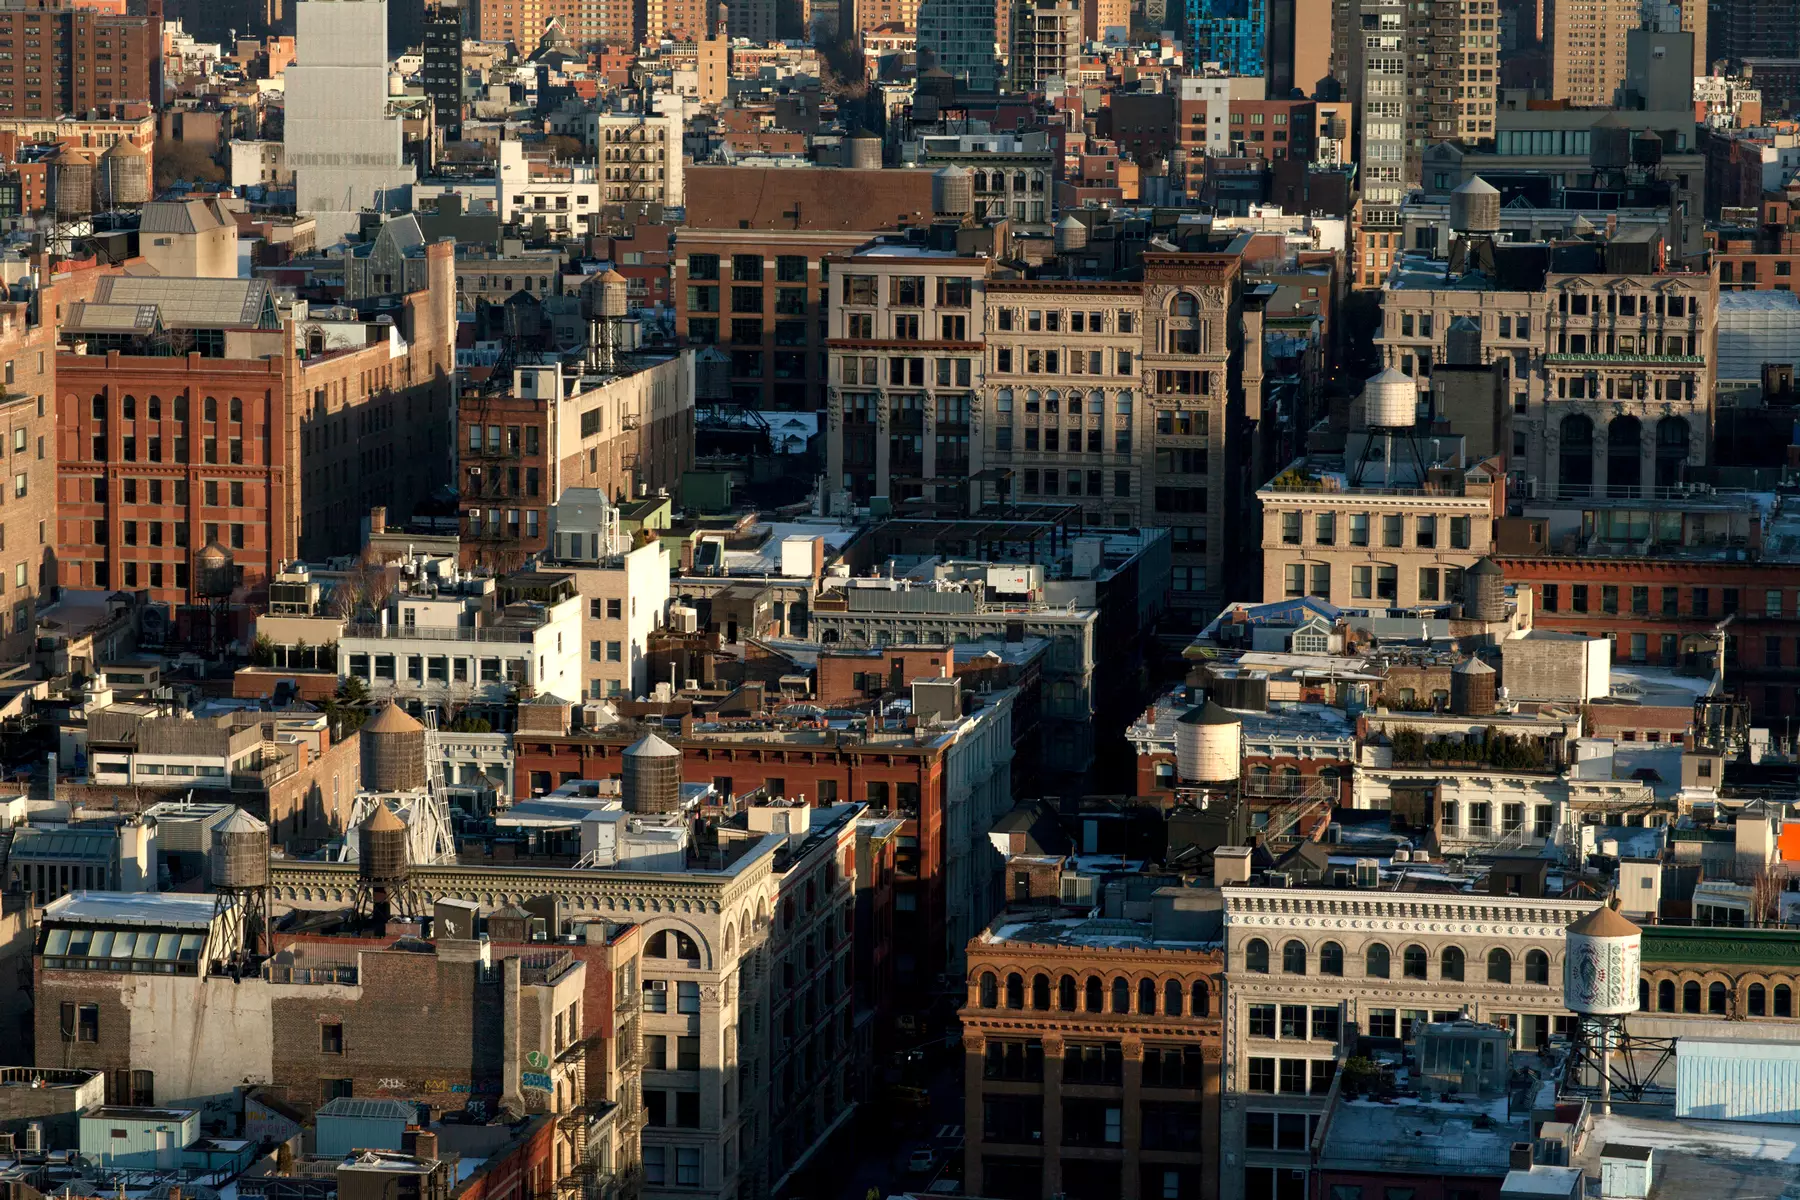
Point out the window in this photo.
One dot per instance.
(1412, 962)
(687, 997)
(1293, 958)
(1256, 956)
(1262, 1020)
(1499, 966)
(1376, 961)
(1262, 1075)
(1537, 967)
(331, 1039)
(1450, 963)
(1331, 959)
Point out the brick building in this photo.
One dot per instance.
(94, 59)
(28, 496)
(750, 273)
(1092, 1055)
(519, 448)
(945, 786)
(274, 441)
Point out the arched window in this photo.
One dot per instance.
(1293, 958)
(990, 990)
(1643, 995)
(1690, 997)
(1146, 996)
(155, 406)
(1256, 956)
(1537, 968)
(128, 408)
(730, 939)
(686, 947)
(1121, 995)
(1093, 993)
(1065, 993)
(1450, 963)
(1376, 962)
(209, 409)
(1184, 306)
(1757, 1002)
(1499, 966)
(1671, 451)
(1575, 466)
(1624, 456)
(1784, 1001)
(1200, 1000)
(1331, 959)
(1040, 993)
(1665, 996)
(1715, 999)
(237, 410)
(1015, 990)
(1172, 998)
(1412, 962)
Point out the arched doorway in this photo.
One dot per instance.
(1575, 461)
(1671, 451)
(1624, 465)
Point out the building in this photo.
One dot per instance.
(1046, 43)
(962, 39)
(622, 431)
(1091, 1052)
(1407, 101)
(189, 239)
(442, 72)
(342, 143)
(273, 442)
(28, 418)
(98, 60)
(1406, 964)
(1393, 538)
(640, 154)
(906, 351)
(580, 25)
(466, 644)
(947, 784)
(1587, 49)
(625, 588)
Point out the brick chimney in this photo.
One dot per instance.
(377, 520)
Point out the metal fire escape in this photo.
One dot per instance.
(586, 1127)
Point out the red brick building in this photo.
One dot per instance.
(69, 59)
(272, 450)
(1663, 611)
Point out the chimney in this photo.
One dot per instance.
(377, 520)
(1231, 865)
(1519, 1157)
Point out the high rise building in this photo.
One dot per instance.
(343, 144)
(1680, 16)
(1587, 48)
(1406, 99)
(1757, 29)
(443, 70)
(1299, 49)
(1231, 33)
(89, 60)
(962, 37)
(1046, 42)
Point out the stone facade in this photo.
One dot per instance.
(1310, 970)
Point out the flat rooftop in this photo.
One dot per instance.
(1405, 1136)
(160, 909)
(1727, 1160)
(1091, 932)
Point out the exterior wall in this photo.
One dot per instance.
(313, 803)
(1427, 567)
(98, 59)
(1060, 1161)
(640, 157)
(1363, 1003)
(466, 665)
(503, 451)
(1587, 49)
(208, 254)
(337, 110)
(640, 589)
(152, 461)
(889, 436)
(28, 493)
(1663, 612)
(776, 363)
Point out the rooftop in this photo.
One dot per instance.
(159, 909)
(1406, 1136)
(1700, 1158)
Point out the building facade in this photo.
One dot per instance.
(90, 60)
(1310, 971)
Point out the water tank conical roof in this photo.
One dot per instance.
(953, 192)
(393, 719)
(1071, 235)
(215, 572)
(1210, 713)
(240, 852)
(1473, 666)
(650, 777)
(384, 820)
(1390, 401)
(1475, 207)
(1208, 744)
(1605, 922)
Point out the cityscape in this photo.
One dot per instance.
(899, 600)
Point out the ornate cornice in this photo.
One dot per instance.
(1663, 945)
(336, 883)
(1400, 913)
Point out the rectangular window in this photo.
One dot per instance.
(1262, 1075)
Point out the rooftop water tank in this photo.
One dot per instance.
(1208, 744)
(1391, 401)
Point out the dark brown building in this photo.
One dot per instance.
(1091, 1061)
(56, 58)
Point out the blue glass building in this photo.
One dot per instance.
(1229, 32)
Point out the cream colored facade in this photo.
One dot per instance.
(1288, 1030)
(1375, 547)
(624, 601)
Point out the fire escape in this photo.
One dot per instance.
(588, 1127)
